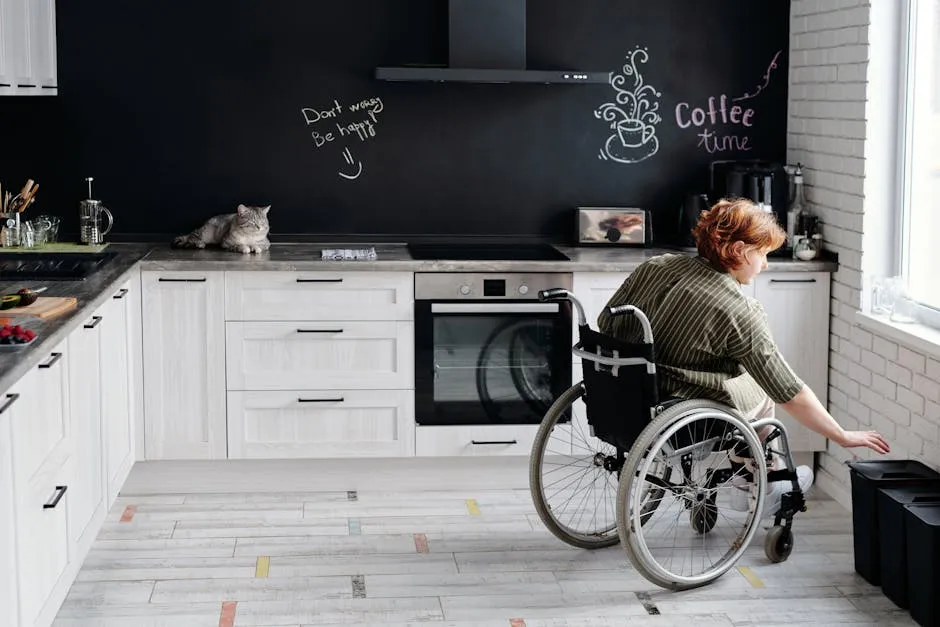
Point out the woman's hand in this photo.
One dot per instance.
(870, 439)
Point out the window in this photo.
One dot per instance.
(920, 232)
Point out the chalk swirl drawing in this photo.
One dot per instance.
(633, 115)
(760, 88)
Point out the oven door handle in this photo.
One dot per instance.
(466, 308)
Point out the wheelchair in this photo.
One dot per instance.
(680, 483)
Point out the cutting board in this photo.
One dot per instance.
(45, 307)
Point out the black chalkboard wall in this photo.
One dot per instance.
(181, 110)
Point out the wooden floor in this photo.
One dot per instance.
(409, 542)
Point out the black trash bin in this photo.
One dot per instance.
(893, 538)
(922, 524)
(867, 477)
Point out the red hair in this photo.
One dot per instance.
(731, 220)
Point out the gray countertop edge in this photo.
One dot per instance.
(395, 257)
(91, 293)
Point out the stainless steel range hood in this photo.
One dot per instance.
(487, 44)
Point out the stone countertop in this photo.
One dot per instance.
(97, 288)
(90, 293)
(395, 257)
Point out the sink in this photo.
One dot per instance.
(28, 266)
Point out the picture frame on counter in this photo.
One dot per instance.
(613, 226)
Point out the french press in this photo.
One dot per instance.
(90, 218)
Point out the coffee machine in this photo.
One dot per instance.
(764, 182)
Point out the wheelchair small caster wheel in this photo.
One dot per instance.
(778, 543)
(703, 517)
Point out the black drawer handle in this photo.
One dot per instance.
(319, 330)
(11, 398)
(319, 280)
(55, 357)
(792, 280)
(121, 294)
(321, 400)
(493, 442)
(165, 280)
(95, 320)
(60, 492)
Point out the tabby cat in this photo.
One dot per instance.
(245, 231)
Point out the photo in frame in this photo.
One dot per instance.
(613, 226)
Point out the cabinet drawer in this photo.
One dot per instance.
(319, 355)
(319, 295)
(474, 440)
(42, 422)
(322, 423)
(42, 541)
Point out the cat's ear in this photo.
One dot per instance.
(265, 210)
(242, 210)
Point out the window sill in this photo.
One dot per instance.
(918, 336)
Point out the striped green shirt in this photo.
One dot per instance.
(712, 341)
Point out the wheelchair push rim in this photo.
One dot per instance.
(692, 516)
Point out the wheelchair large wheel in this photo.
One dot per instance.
(708, 517)
(573, 476)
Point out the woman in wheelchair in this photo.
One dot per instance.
(682, 429)
(714, 342)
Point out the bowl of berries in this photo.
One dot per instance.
(15, 336)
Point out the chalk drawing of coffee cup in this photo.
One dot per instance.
(634, 133)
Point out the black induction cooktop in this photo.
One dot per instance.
(29, 266)
(486, 252)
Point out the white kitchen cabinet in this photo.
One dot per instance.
(474, 440)
(321, 423)
(119, 373)
(184, 365)
(319, 364)
(353, 295)
(43, 474)
(321, 354)
(88, 487)
(9, 604)
(28, 47)
(797, 306)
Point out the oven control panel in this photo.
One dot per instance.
(487, 285)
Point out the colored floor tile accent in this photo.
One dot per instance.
(227, 617)
(648, 604)
(472, 507)
(355, 529)
(516, 622)
(262, 566)
(358, 587)
(753, 579)
(128, 514)
(421, 543)
(352, 495)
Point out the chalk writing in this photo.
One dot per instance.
(716, 112)
(633, 115)
(362, 127)
(349, 159)
(760, 88)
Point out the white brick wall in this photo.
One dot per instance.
(840, 127)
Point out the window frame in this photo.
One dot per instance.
(926, 314)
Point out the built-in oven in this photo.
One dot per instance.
(487, 351)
